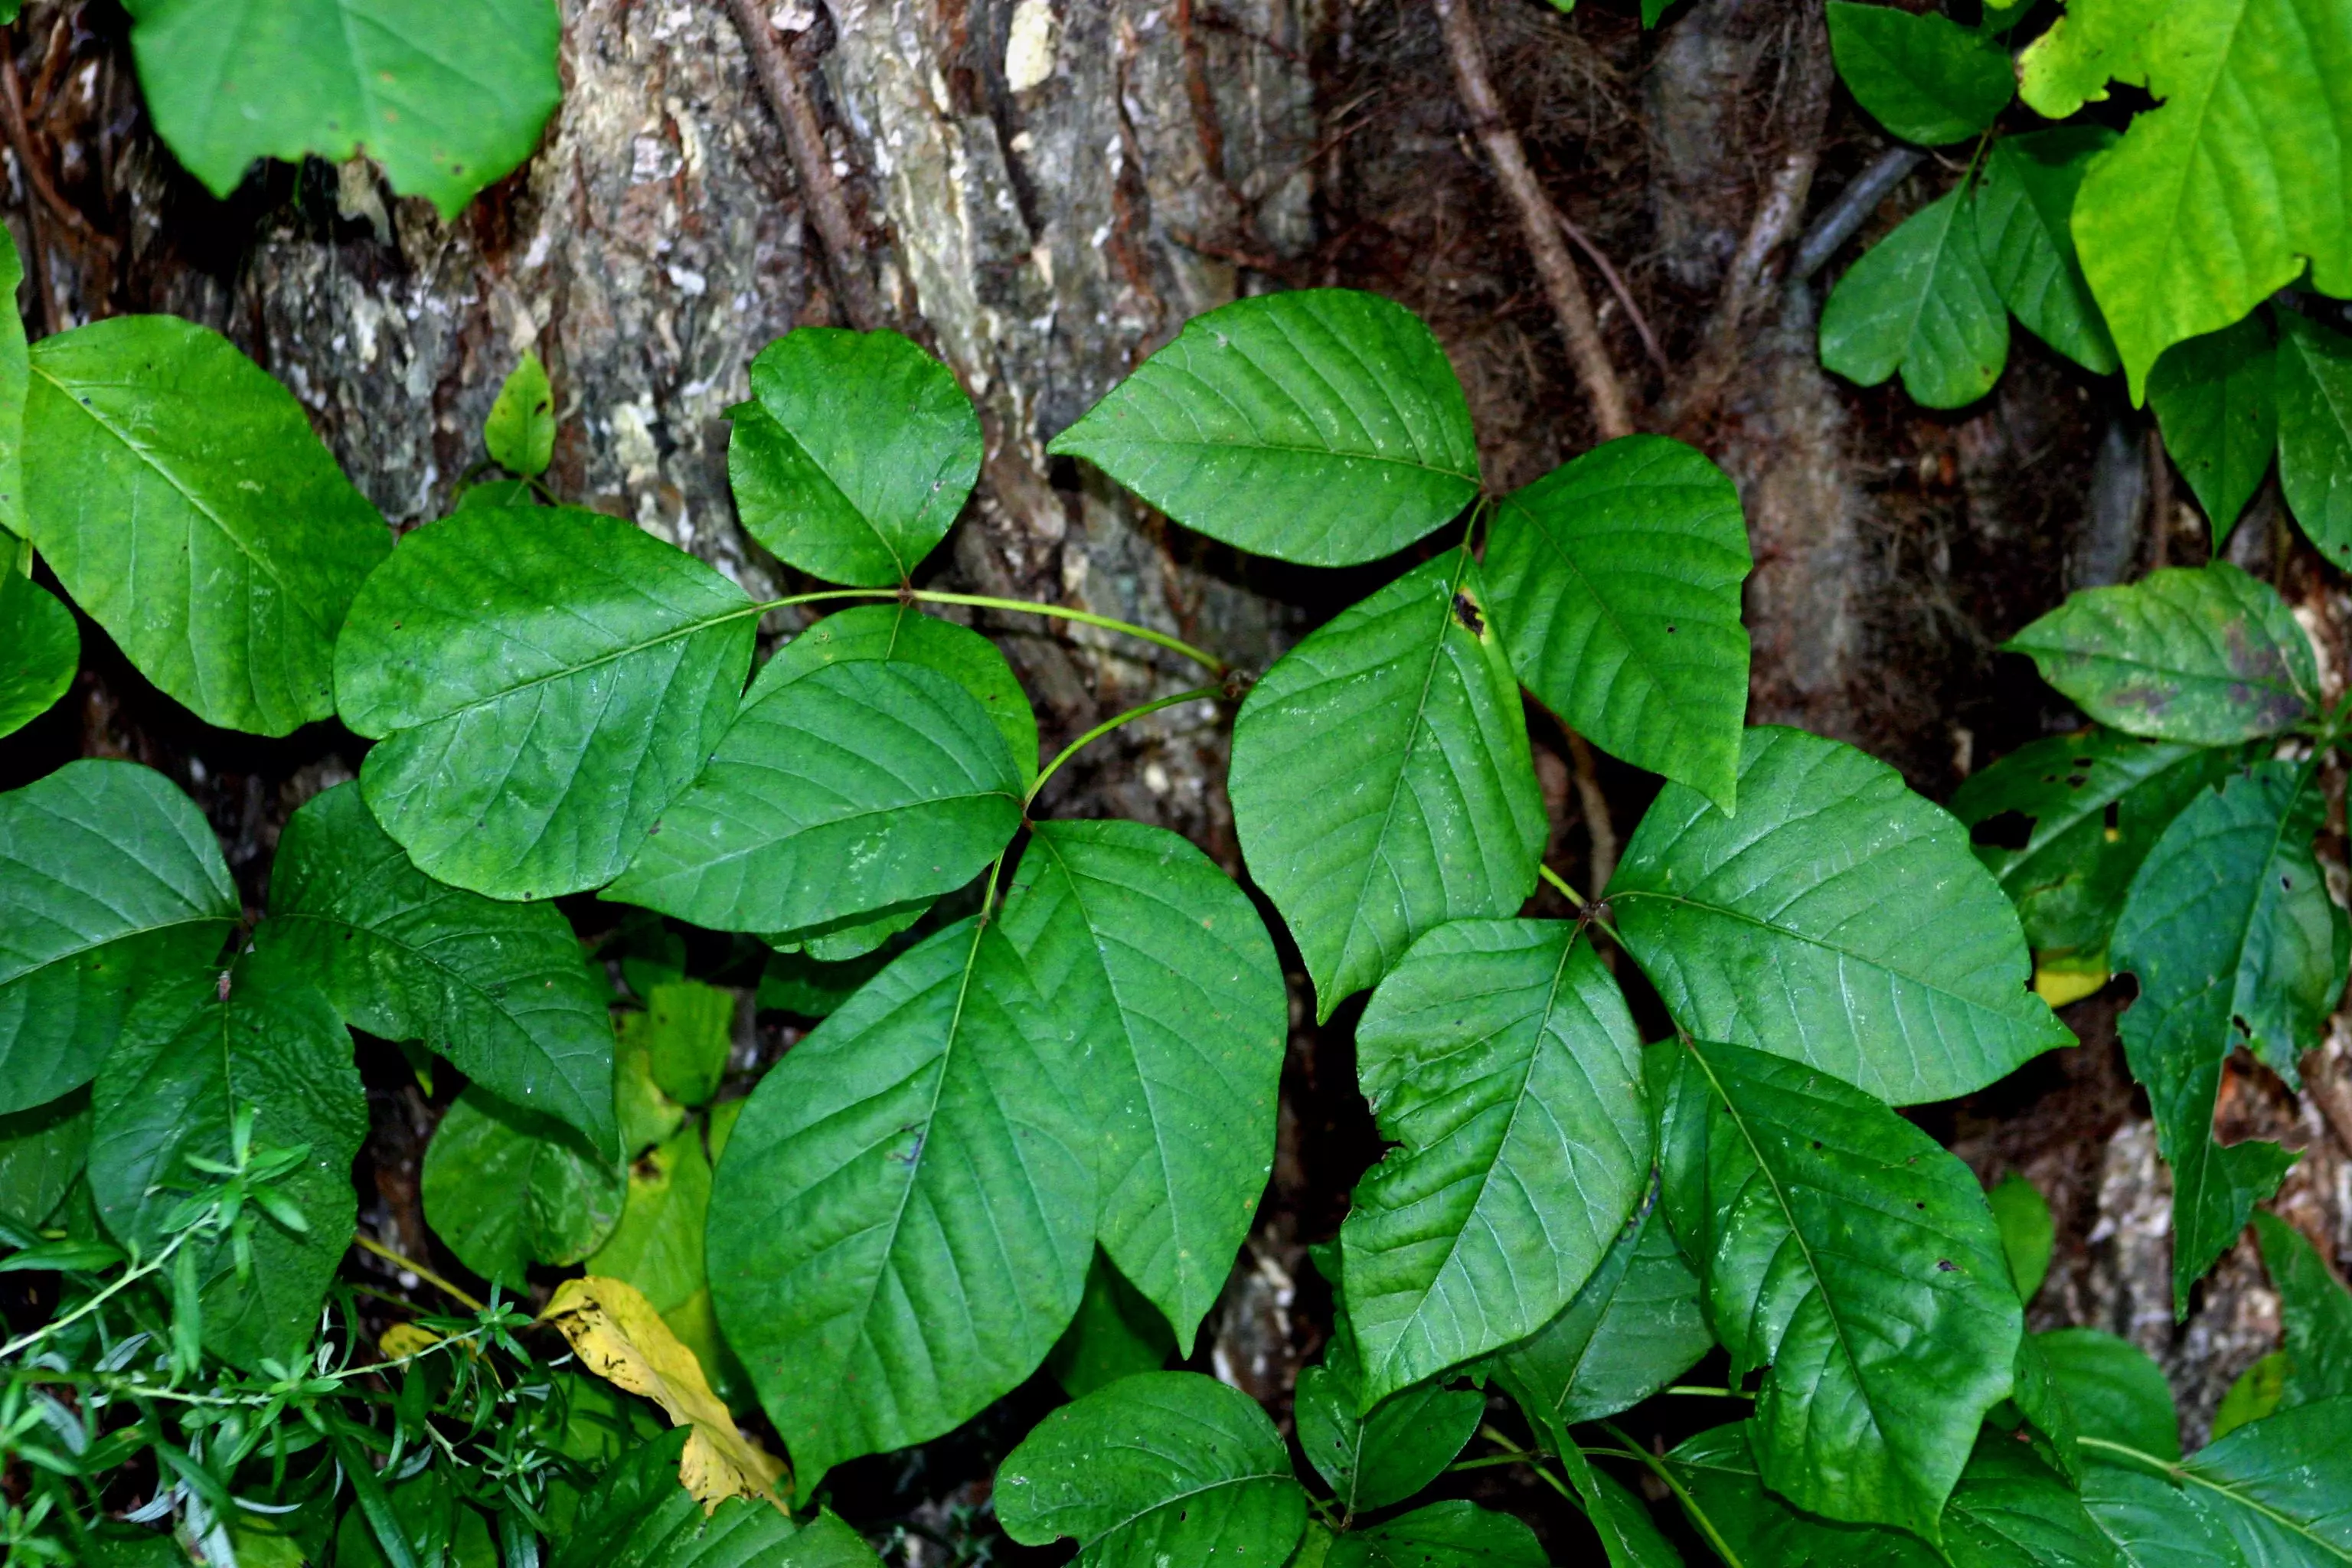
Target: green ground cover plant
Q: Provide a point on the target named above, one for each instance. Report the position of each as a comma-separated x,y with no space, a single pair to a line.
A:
1035,1112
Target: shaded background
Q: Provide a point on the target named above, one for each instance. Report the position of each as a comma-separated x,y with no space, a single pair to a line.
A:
1043,192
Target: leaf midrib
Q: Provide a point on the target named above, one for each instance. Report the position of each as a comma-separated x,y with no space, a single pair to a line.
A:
1170,1501
817,465
219,919
1285,448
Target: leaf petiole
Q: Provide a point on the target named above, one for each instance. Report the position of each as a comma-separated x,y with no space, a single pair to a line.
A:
1657,1468
1105,727
1022,606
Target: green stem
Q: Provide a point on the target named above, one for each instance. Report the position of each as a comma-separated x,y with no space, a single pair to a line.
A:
1105,727
137,1271
1690,1505
1561,884
1021,606
1706,1391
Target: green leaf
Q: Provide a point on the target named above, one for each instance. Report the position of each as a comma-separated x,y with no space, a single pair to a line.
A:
2230,929
904,633
2098,800
2315,432
902,1221
2218,197
446,100
2216,403
639,1515
1839,920
15,377
2257,1392
658,1244
1163,1467
1921,301
2317,1311
1925,77
543,681
686,1030
2070,64
796,983
853,937
1405,1442
2116,1391
43,648
505,1189
273,1046
1615,579
1629,1537
1718,1470
2046,1420
2154,1524
1635,1327
646,1115
1160,971
1500,1056
856,456
2011,1510
2203,654
2025,208
187,508
886,767
2283,1485
1381,780
114,900
499,989
1322,426
1454,1534
1116,1334
492,494
41,1153
1844,1247
2027,1232
520,430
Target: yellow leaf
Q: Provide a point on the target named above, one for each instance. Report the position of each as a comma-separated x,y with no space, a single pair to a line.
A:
405,1340
2057,982
618,1335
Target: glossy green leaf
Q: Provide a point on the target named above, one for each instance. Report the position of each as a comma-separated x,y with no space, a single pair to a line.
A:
2283,1486
499,989
1727,1501
1453,1534
2045,1420
2097,802
1921,301
1381,782
543,682
904,633
796,983
2315,432
274,1046
686,1030
505,1189
903,1219
1165,1467
639,1516
15,379
1499,1056
114,902
2116,1391
1322,426
42,1151
1636,1326
1842,1246
2258,1392
2153,1523
2203,654
445,99
1925,77
884,766
2025,208
1629,1534
521,429
2230,929
187,509
2027,1232
1615,579
1838,919
2012,1511
1158,971
2317,1309
40,647
2221,194
855,456
1117,1333
1372,1459
2216,402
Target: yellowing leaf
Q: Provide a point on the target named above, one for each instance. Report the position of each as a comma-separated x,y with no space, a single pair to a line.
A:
618,1335
405,1340
2058,982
